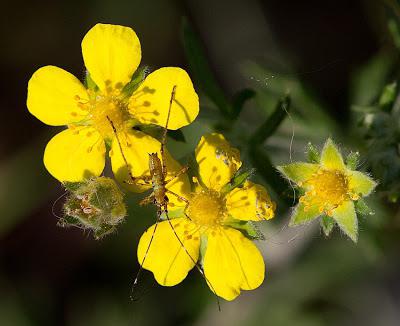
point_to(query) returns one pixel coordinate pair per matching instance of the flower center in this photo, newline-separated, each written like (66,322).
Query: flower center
(327,189)
(105,112)
(206,208)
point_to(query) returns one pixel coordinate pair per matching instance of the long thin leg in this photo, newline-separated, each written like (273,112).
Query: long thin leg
(147,200)
(120,148)
(177,196)
(135,282)
(178,174)
(164,135)
(198,267)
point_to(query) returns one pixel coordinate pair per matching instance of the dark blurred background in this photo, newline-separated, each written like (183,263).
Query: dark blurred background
(312,49)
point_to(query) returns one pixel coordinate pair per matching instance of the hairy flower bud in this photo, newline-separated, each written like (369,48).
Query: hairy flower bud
(96,204)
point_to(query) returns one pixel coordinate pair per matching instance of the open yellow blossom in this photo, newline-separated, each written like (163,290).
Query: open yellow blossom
(108,105)
(331,188)
(231,262)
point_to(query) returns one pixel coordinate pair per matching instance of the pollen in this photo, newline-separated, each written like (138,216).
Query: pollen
(326,189)
(206,208)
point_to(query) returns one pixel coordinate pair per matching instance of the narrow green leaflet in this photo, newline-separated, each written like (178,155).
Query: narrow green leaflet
(248,228)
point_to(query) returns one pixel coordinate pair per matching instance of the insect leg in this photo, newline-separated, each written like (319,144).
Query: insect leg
(135,282)
(164,135)
(178,174)
(198,267)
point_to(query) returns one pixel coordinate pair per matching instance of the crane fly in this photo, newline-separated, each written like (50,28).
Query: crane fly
(158,180)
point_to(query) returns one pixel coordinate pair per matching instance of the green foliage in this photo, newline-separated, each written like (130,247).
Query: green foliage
(96,204)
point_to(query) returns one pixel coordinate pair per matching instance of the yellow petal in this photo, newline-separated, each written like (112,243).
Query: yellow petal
(217,161)
(360,183)
(75,154)
(250,203)
(150,102)
(231,263)
(166,258)
(136,147)
(54,95)
(331,157)
(111,54)
(178,185)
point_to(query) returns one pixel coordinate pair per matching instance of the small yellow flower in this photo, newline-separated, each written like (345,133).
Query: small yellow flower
(330,190)
(111,54)
(231,262)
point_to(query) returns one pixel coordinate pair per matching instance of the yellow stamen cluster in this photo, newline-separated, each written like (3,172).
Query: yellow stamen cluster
(326,189)
(206,208)
(103,108)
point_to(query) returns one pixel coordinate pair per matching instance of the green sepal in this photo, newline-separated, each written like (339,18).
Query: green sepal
(203,248)
(301,216)
(137,78)
(248,228)
(327,224)
(352,160)
(176,213)
(313,155)
(346,218)
(362,208)
(89,82)
(238,179)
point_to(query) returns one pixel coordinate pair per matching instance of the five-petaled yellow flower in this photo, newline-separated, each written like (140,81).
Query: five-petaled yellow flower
(231,261)
(111,54)
(330,190)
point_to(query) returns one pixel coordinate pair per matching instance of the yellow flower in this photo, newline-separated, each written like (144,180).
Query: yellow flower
(231,262)
(330,190)
(111,54)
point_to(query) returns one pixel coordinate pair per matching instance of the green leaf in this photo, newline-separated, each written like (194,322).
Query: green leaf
(388,96)
(139,75)
(362,208)
(272,123)
(201,71)
(313,154)
(240,99)
(248,228)
(394,30)
(368,81)
(327,224)
(301,215)
(352,160)
(346,218)
(238,179)
(177,135)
